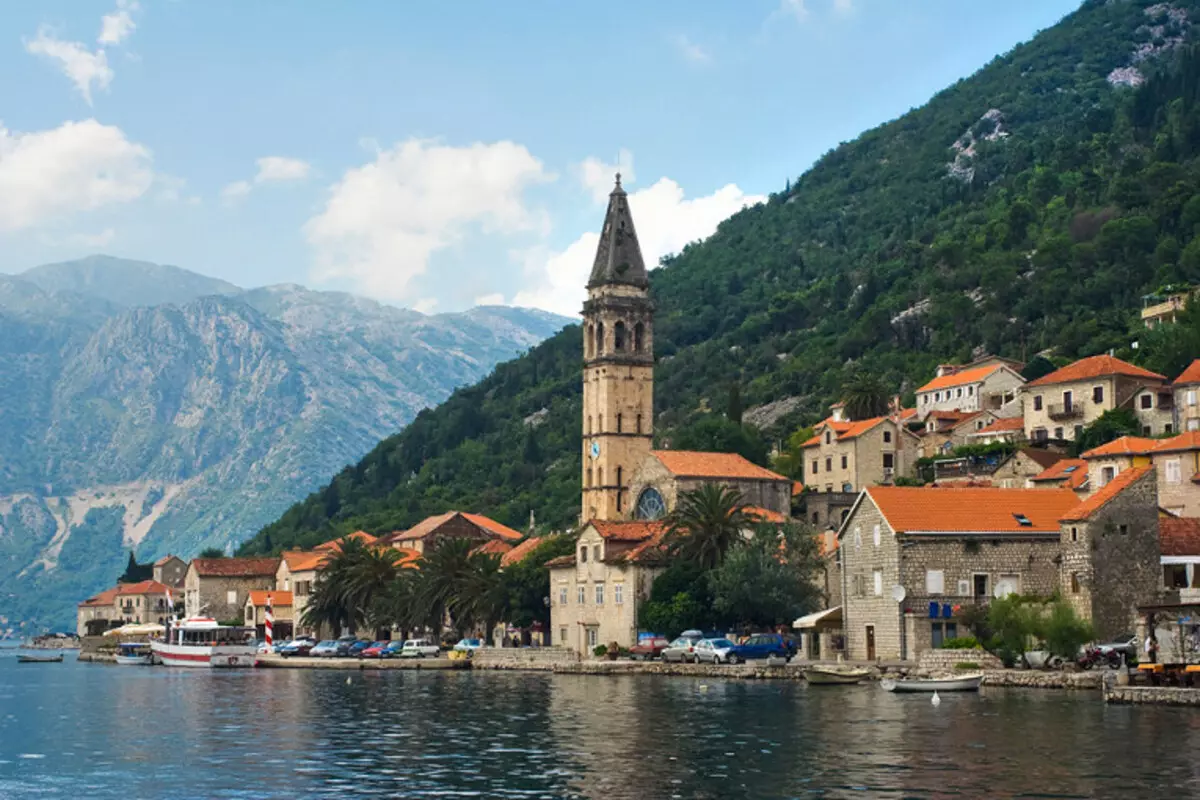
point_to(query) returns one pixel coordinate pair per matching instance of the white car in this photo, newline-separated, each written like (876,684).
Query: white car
(713,651)
(468,645)
(418,648)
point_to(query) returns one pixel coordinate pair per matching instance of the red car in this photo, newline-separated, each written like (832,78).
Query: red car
(649,649)
(375,651)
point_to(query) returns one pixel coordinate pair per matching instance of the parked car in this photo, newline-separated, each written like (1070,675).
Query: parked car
(713,651)
(393,649)
(277,647)
(298,647)
(325,649)
(355,650)
(682,649)
(1126,644)
(344,643)
(649,649)
(418,648)
(763,645)
(376,650)
(468,645)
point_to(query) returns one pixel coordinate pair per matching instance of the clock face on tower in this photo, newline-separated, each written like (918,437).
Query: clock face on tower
(595,451)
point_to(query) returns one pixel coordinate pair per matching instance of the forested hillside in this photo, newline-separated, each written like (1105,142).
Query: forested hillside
(1026,208)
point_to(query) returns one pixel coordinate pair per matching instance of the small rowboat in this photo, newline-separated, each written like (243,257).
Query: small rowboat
(38,658)
(134,654)
(958,683)
(834,675)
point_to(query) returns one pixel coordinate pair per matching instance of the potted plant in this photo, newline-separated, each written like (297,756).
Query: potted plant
(612,651)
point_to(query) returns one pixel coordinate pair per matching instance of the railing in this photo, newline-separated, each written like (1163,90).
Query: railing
(1072,410)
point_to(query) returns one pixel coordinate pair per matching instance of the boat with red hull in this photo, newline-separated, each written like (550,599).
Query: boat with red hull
(203,642)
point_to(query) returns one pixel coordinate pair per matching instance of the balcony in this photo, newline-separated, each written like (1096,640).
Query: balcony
(1061,411)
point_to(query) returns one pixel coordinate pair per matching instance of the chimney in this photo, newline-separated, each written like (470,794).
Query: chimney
(838,412)
(946,369)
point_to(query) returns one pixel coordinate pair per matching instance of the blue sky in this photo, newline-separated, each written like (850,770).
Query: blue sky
(437,155)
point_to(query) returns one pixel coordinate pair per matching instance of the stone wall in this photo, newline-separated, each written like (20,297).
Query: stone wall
(1043,679)
(946,660)
(862,607)
(526,658)
(1151,695)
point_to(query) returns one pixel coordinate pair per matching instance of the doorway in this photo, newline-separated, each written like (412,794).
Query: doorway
(870,643)
(980,587)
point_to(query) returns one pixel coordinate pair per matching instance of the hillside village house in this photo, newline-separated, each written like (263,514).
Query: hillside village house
(1176,460)
(1061,404)
(845,455)
(1179,544)
(170,570)
(451,525)
(1186,391)
(946,430)
(283,613)
(1003,429)
(1066,473)
(296,574)
(97,614)
(986,385)
(218,587)
(143,602)
(911,555)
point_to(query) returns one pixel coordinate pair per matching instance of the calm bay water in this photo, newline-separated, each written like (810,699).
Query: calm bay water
(100,731)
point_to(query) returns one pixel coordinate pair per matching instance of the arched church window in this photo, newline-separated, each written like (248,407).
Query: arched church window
(639,337)
(650,505)
(599,338)
(619,337)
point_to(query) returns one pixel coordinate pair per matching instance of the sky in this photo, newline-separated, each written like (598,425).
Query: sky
(441,155)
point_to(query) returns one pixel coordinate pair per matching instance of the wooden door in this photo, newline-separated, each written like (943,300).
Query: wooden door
(870,643)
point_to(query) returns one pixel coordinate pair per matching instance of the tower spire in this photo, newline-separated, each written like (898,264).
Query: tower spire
(618,256)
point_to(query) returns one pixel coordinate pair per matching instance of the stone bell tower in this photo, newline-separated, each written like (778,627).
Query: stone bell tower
(618,366)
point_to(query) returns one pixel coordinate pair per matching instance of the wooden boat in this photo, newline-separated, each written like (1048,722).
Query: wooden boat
(956,683)
(831,675)
(132,654)
(39,658)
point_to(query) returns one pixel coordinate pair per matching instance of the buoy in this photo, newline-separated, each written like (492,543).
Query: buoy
(936,699)
(704,687)
(347,681)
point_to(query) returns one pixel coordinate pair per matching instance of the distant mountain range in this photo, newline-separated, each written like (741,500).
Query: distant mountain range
(150,407)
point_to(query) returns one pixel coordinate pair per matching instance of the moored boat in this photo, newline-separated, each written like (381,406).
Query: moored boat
(203,642)
(831,675)
(131,654)
(957,683)
(39,658)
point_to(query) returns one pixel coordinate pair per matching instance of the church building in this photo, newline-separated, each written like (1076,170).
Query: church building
(627,486)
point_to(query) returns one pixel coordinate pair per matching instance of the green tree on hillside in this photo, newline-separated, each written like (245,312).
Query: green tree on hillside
(769,580)
(1110,425)
(706,523)
(716,434)
(865,396)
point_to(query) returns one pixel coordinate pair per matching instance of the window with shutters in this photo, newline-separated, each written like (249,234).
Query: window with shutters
(876,535)
(599,594)
(878,576)
(935,581)
(1173,471)
(581,595)
(619,594)
(562,595)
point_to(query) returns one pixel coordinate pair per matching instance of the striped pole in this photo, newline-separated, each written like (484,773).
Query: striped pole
(270,622)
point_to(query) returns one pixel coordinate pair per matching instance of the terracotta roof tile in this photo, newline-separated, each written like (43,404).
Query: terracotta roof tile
(493,527)
(1095,367)
(1179,536)
(652,550)
(142,587)
(627,531)
(797,488)
(335,544)
(164,560)
(1072,472)
(1100,498)
(409,558)
(1178,444)
(561,561)
(422,528)
(521,551)
(301,561)
(765,515)
(692,464)
(961,378)
(235,567)
(1005,425)
(105,598)
(949,510)
(1124,446)
(495,547)
(258,597)
(1189,375)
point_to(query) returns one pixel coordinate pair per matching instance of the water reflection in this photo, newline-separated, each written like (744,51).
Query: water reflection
(93,731)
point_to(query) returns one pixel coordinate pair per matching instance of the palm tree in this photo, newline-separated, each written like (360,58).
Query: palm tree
(864,396)
(348,585)
(483,597)
(706,523)
(444,571)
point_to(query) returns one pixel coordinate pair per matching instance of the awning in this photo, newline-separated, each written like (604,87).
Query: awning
(829,618)
(136,630)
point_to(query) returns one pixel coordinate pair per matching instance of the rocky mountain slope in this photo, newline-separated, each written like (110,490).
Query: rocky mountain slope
(1027,207)
(150,407)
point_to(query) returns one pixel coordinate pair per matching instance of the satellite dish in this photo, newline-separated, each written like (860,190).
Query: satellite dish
(998,592)
(898,593)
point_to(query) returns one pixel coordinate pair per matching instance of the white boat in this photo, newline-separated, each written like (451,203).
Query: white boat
(130,654)
(958,683)
(203,642)
(830,675)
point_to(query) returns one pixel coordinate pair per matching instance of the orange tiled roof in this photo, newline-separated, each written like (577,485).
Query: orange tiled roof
(1095,367)
(693,464)
(409,558)
(1004,425)
(849,430)
(1072,472)
(797,488)
(907,413)
(519,553)
(562,561)
(1107,492)
(636,531)
(495,547)
(1124,446)
(430,524)
(142,587)
(1189,375)
(1179,536)
(1179,444)
(764,515)
(977,510)
(960,378)
(491,526)
(335,544)
(650,550)
(302,561)
(258,598)
(105,598)
(235,567)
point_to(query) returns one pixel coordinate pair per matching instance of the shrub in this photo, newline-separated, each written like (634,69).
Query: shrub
(600,651)
(1064,631)
(961,643)
(967,666)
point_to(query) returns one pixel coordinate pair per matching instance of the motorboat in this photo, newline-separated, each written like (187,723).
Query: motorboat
(957,683)
(39,658)
(204,642)
(131,654)
(834,674)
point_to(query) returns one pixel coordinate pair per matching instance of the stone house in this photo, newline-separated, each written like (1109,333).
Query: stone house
(1177,461)
(1066,473)
(986,385)
(1002,429)
(946,430)
(844,456)
(142,602)
(296,574)
(283,613)
(218,587)
(1186,395)
(97,614)
(912,556)
(665,475)
(1155,410)
(170,570)
(451,525)
(1061,404)
(594,593)
(1109,460)
(1110,552)
(1179,545)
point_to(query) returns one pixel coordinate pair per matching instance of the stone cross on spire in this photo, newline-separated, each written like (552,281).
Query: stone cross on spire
(618,256)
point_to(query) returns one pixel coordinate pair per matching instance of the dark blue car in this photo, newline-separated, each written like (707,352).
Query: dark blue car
(763,645)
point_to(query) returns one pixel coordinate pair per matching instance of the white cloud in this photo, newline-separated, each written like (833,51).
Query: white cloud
(100,239)
(270,169)
(597,176)
(383,221)
(843,6)
(665,220)
(496,299)
(235,190)
(796,9)
(117,26)
(78,166)
(81,66)
(690,50)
